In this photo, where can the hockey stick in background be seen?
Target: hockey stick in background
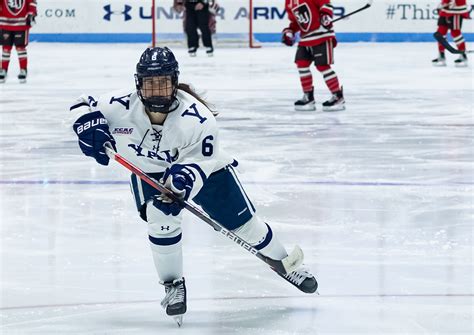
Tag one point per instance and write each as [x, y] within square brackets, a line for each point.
[444, 42]
[369, 3]
[283, 267]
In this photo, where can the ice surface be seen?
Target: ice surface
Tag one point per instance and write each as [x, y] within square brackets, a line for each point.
[380, 198]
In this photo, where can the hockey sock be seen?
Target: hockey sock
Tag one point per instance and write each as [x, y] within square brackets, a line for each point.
[306, 77]
[330, 77]
[168, 259]
[22, 57]
[261, 237]
[459, 39]
[6, 52]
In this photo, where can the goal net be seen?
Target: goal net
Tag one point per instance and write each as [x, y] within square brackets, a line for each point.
[233, 23]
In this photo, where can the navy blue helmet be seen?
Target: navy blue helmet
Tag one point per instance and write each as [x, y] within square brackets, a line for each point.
[157, 79]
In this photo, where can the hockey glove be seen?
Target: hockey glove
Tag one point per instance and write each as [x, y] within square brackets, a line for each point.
[31, 20]
[93, 132]
[287, 37]
[180, 181]
[326, 21]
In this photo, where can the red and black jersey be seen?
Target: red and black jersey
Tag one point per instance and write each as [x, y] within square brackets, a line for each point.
[305, 17]
[454, 7]
[14, 13]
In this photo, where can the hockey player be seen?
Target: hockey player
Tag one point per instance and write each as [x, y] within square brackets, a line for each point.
[168, 131]
[451, 15]
[198, 14]
[313, 19]
[16, 19]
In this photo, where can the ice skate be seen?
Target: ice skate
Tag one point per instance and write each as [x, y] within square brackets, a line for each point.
[302, 279]
[461, 61]
[3, 76]
[210, 52]
[336, 103]
[306, 103]
[192, 52]
[175, 300]
[439, 61]
[22, 76]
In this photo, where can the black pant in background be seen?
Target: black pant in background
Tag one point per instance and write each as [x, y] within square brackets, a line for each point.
[197, 19]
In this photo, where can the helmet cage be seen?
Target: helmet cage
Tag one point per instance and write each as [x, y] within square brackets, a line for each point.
[161, 63]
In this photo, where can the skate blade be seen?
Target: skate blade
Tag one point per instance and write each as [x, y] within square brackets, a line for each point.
[293, 260]
[310, 107]
[178, 319]
[334, 108]
[461, 65]
[22, 81]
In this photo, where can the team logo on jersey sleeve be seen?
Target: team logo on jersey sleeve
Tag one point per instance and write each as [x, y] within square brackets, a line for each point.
[15, 6]
[303, 16]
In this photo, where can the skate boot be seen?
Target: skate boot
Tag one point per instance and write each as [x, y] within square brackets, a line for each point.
[210, 51]
[306, 103]
[336, 103]
[461, 61]
[175, 300]
[302, 279]
[192, 52]
[440, 61]
[3, 76]
[22, 76]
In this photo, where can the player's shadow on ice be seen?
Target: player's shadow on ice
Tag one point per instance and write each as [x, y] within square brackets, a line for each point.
[250, 319]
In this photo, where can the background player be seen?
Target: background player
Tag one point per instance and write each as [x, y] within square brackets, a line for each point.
[16, 19]
[451, 15]
[197, 14]
[312, 18]
[169, 132]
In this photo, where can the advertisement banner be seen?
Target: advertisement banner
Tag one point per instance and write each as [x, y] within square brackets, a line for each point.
[131, 20]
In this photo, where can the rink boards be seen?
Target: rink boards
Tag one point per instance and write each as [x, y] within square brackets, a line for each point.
[130, 21]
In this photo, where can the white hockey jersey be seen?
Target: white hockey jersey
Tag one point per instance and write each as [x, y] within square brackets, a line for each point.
[189, 135]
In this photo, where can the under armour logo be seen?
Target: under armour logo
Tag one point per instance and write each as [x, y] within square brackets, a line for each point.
[110, 12]
[165, 227]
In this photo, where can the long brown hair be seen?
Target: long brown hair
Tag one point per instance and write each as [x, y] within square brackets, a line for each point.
[188, 89]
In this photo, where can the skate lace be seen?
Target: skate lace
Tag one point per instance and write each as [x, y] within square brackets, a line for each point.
[298, 276]
[174, 294]
[334, 98]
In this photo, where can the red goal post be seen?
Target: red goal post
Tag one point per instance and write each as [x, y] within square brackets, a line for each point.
[247, 38]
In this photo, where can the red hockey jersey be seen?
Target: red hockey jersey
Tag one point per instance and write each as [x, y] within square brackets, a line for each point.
[305, 16]
[13, 14]
[454, 7]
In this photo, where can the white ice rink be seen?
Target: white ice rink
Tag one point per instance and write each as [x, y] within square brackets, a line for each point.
[380, 198]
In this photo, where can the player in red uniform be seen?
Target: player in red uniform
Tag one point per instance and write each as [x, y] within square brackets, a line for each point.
[16, 18]
[313, 19]
[451, 15]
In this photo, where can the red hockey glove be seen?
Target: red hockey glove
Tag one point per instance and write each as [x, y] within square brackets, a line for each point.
[287, 37]
[326, 21]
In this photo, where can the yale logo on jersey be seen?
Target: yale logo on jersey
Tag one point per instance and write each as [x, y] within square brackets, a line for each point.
[122, 131]
[303, 15]
[15, 6]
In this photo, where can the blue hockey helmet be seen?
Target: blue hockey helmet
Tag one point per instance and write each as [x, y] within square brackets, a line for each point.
[157, 79]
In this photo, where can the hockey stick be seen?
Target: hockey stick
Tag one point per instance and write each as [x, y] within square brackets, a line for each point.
[284, 266]
[444, 42]
[369, 3]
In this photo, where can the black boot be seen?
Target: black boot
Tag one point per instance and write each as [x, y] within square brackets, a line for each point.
[3, 76]
[336, 103]
[306, 103]
[22, 76]
[461, 61]
[175, 300]
[440, 61]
